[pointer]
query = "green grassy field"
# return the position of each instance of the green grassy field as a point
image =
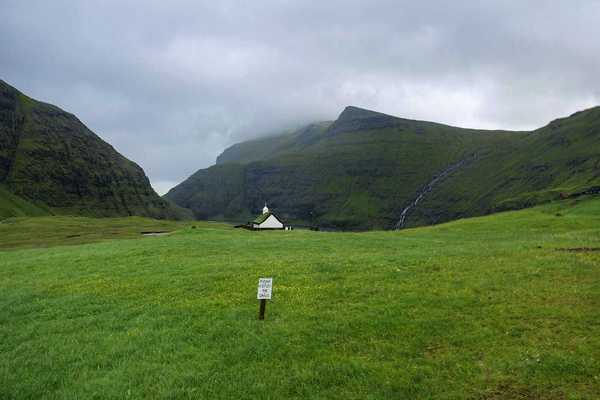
(20, 233)
(488, 308)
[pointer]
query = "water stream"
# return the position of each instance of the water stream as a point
(428, 188)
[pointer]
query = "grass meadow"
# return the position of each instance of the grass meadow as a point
(499, 307)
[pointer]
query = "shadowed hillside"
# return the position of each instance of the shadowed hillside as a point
(51, 163)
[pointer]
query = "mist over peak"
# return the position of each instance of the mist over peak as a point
(191, 78)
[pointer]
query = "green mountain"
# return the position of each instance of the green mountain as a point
(368, 170)
(559, 160)
(51, 163)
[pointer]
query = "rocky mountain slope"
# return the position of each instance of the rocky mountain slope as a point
(370, 170)
(50, 162)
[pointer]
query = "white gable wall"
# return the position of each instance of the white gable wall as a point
(271, 223)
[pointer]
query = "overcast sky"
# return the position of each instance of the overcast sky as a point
(170, 84)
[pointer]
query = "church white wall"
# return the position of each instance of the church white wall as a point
(271, 223)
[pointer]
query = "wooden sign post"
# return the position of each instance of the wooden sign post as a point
(265, 289)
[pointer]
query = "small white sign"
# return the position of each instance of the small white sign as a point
(265, 286)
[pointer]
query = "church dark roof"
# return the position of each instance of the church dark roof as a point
(262, 218)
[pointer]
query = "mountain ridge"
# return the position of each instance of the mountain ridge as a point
(362, 170)
(354, 118)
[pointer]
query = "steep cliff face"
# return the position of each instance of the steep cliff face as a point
(48, 157)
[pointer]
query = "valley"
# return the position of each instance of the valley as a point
(290, 200)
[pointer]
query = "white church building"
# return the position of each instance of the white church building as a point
(267, 220)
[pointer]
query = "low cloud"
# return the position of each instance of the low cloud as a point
(171, 84)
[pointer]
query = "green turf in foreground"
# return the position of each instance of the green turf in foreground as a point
(485, 308)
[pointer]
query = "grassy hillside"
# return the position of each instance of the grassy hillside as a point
(560, 159)
(47, 156)
(14, 206)
(498, 307)
(363, 170)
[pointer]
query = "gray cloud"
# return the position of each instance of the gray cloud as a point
(171, 84)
